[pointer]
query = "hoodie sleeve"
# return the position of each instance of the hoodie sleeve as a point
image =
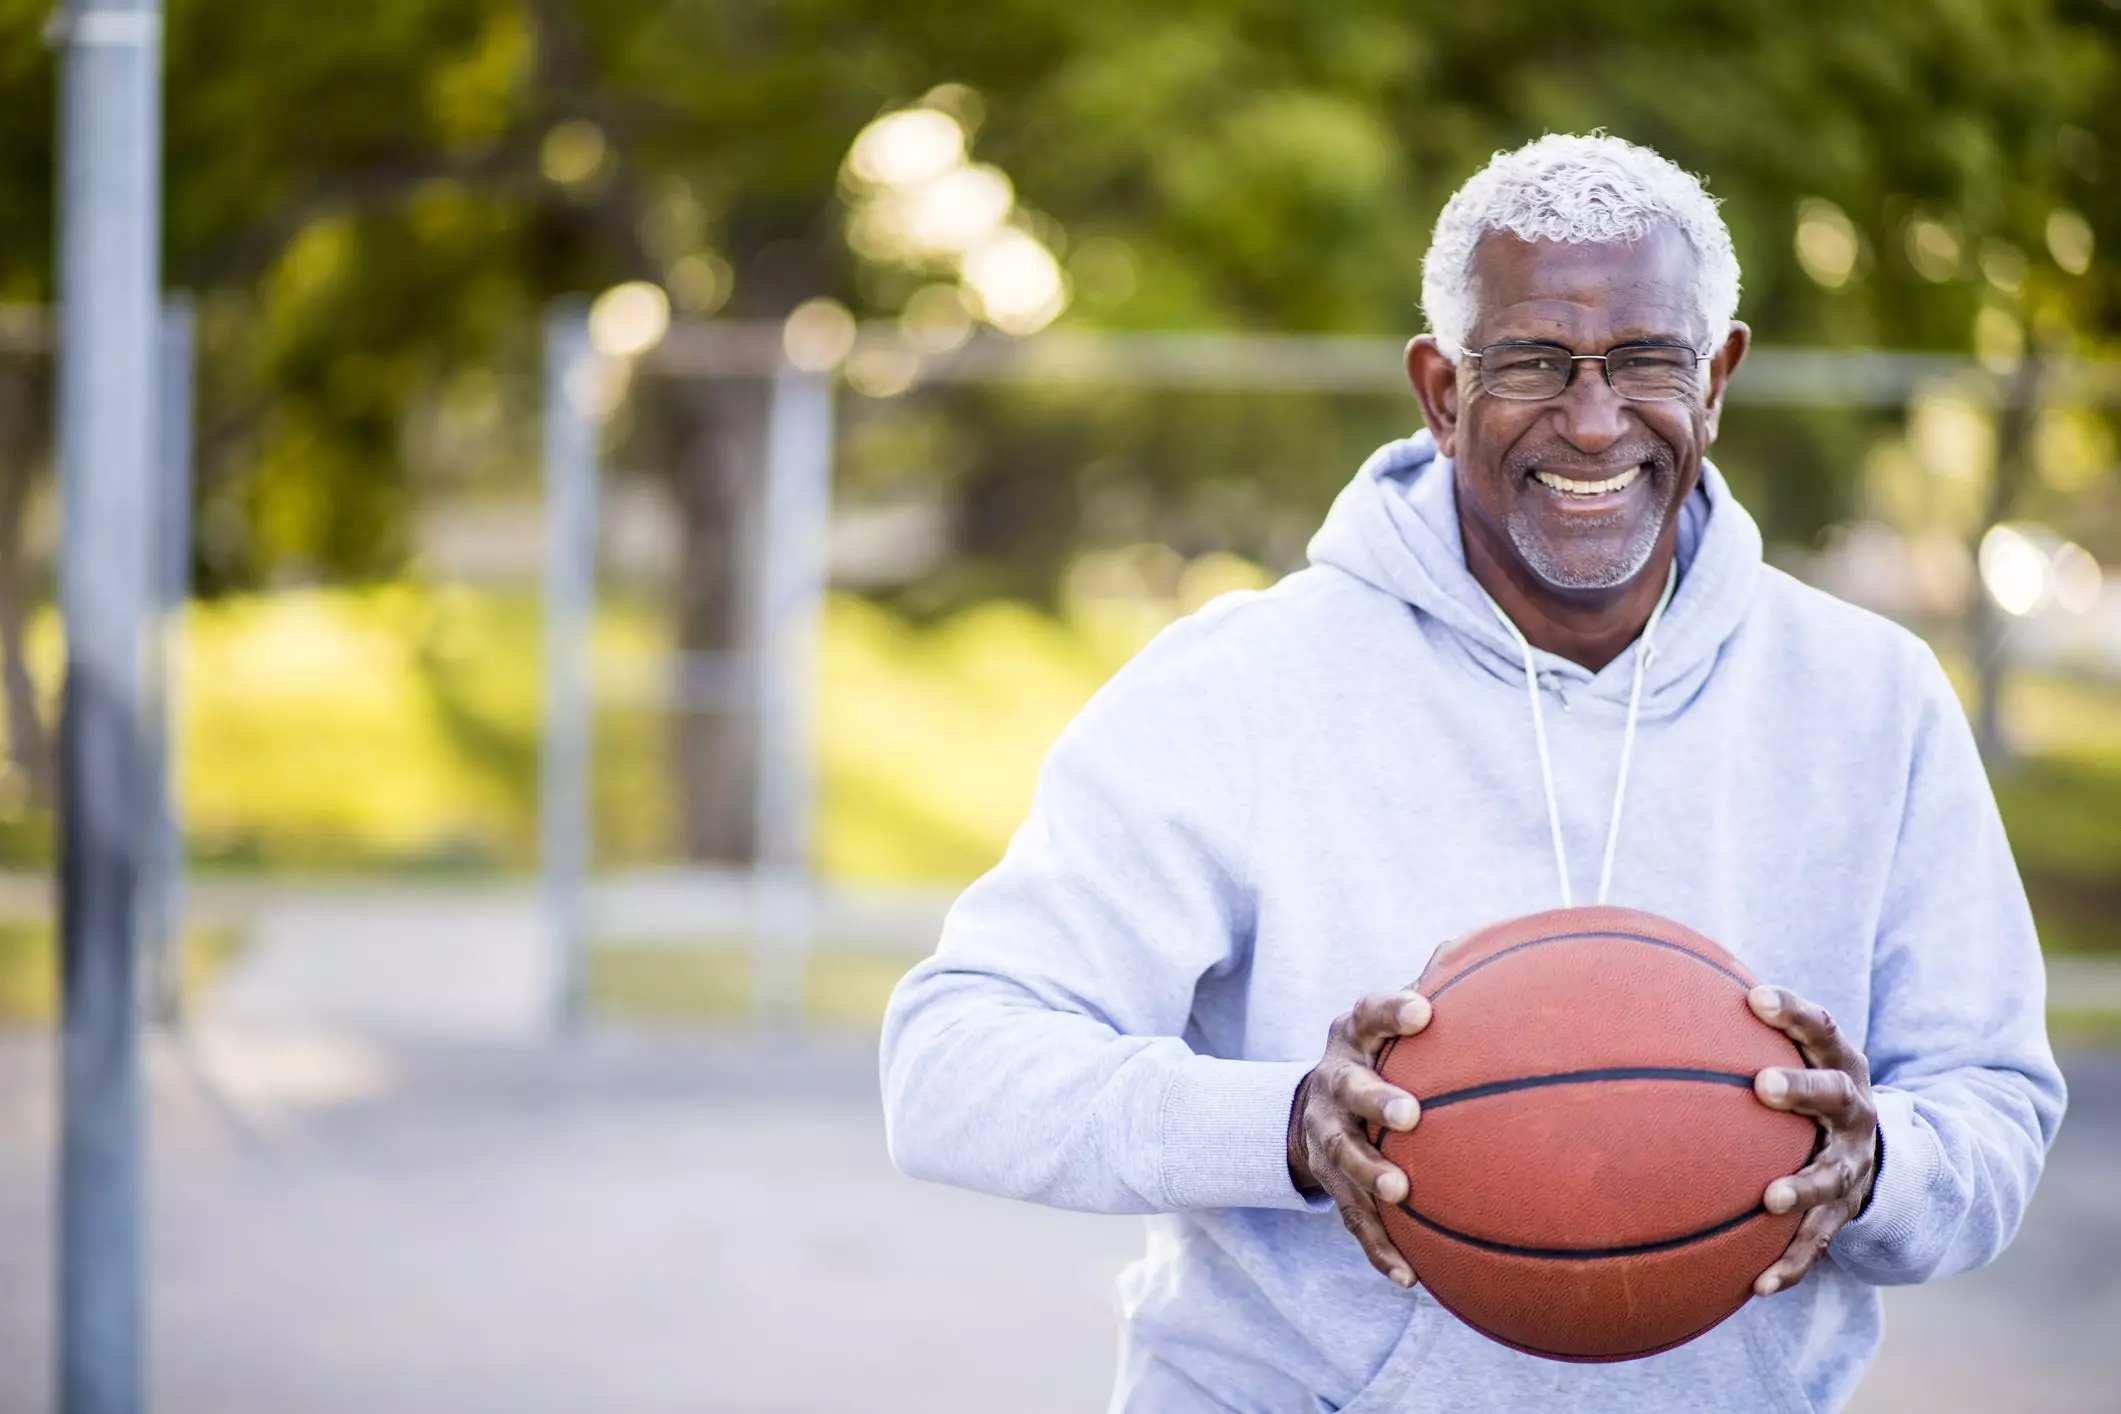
(1039, 1053)
(1968, 1093)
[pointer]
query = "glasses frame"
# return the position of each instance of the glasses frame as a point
(1605, 368)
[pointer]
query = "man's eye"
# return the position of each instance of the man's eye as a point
(1652, 358)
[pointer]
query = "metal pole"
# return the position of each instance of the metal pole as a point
(109, 225)
(798, 508)
(572, 372)
(162, 885)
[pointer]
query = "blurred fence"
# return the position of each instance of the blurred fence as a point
(934, 475)
(821, 595)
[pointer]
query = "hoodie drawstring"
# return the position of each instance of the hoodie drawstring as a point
(1645, 650)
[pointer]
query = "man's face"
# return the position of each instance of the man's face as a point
(1583, 487)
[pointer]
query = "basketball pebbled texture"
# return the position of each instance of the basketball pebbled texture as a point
(1585, 1181)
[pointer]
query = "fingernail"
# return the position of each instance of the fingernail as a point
(1781, 1197)
(1392, 1186)
(1414, 1015)
(1402, 1276)
(1768, 1286)
(1774, 1085)
(1402, 1112)
(1766, 999)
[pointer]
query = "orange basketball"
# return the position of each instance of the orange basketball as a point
(1586, 1179)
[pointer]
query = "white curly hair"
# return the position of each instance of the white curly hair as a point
(1580, 190)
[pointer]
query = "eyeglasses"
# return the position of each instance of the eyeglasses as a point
(1641, 373)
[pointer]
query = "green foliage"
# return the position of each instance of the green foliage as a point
(357, 191)
(362, 199)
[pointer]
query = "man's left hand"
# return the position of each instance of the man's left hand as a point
(1834, 1089)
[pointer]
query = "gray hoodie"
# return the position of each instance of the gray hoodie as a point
(1289, 799)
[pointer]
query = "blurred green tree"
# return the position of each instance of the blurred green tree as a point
(374, 202)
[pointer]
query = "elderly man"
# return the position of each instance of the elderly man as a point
(1290, 797)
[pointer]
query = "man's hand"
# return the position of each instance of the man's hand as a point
(1329, 1145)
(1835, 1090)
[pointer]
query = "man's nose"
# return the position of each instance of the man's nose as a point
(1593, 416)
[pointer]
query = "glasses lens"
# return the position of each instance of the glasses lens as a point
(1523, 370)
(1653, 374)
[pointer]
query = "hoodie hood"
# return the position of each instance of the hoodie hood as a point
(1395, 528)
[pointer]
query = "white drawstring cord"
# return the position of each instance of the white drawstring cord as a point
(1546, 762)
(1644, 652)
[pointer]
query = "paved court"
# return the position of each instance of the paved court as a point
(709, 1224)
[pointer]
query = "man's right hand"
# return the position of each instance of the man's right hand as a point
(1329, 1145)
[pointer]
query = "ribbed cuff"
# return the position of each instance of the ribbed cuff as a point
(1225, 1134)
(1901, 1195)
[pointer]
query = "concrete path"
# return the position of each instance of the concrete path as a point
(710, 1224)
(427, 966)
(474, 963)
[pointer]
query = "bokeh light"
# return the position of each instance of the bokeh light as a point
(916, 201)
(630, 319)
(1104, 270)
(1999, 339)
(2078, 580)
(954, 212)
(701, 283)
(1826, 242)
(573, 152)
(911, 145)
(880, 371)
(2003, 265)
(2069, 240)
(2014, 569)
(818, 335)
(1017, 282)
(935, 319)
(1933, 248)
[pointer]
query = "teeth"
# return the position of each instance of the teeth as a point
(1568, 487)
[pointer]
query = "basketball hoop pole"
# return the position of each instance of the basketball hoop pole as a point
(108, 278)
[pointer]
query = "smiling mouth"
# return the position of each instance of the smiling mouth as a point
(1572, 486)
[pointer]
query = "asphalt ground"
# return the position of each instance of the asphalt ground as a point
(708, 1223)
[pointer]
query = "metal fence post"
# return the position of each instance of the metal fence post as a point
(572, 397)
(161, 920)
(797, 514)
(109, 271)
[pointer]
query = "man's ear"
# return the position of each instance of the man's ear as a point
(1435, 382)
(1721, 366)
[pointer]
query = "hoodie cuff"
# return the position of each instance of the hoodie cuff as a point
(1900, 1194)
(1225, 1134)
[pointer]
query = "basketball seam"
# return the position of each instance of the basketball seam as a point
(1582, 1254)
(1453, 981)
(1588, 1077)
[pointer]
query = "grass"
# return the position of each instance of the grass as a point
(712, 983)
(708, 984)
(393, 730)
(2061, 804)
(2084, 1030)
(29, 968)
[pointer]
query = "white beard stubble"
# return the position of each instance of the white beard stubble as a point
(1562, 574)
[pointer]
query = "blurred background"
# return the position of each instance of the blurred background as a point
(531, 881)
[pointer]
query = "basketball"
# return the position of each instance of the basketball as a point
(1585, 1182)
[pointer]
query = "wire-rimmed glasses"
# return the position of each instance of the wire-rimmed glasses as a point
(1641, 373)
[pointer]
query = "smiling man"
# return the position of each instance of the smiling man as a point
(1544, 609)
